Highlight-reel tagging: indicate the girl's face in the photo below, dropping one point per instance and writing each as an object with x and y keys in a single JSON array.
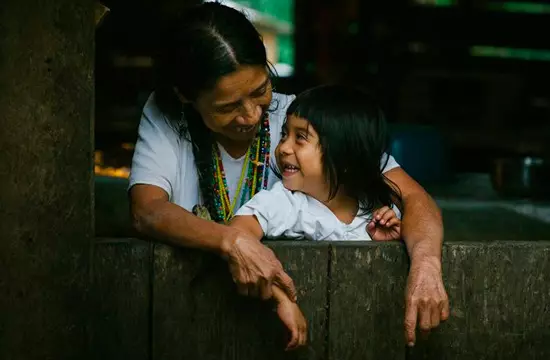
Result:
[
  {"x": 234, "y": 106},
  {"x": 300, "y": 159}
]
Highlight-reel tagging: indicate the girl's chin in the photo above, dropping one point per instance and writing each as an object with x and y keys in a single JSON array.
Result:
[{"x": 288, "y": 184}]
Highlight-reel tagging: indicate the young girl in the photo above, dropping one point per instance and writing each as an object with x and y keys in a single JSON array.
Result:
[{"x": 332, "y": 187}]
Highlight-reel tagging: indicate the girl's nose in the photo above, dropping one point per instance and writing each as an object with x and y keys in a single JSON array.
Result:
[{"x": 284, "y": 147}]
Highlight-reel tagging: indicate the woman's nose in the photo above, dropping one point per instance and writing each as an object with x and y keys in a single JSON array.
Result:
[{"x": 250, "y": 114}]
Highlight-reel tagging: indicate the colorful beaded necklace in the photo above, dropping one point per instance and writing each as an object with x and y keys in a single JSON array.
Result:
[{"x": 256, "y": 168}]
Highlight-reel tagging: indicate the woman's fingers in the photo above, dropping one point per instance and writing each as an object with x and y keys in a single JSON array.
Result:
[
  {"x": 411, "y": 317},
  {"x": 435, "y": 317},
  {"x": 265, "y": 287},
  {"x": 283, "y": 281}
]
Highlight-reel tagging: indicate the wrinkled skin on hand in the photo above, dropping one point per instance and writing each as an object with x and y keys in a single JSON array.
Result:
[
  {"x": 255, "y": 268},
  {"x": 427, "y": 303}
]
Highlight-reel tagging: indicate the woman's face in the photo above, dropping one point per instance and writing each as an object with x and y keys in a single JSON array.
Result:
[
  {"x": 300, "y": 159},
  {"x": 234, "y": 106}
]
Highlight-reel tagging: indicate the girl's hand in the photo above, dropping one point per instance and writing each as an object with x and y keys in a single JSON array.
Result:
[
  {"x": 385, "y": 225},
  {"x": 291, "y": 315}
]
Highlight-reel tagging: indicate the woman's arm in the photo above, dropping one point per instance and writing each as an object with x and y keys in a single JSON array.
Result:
[
  {"x": 422, "y": 231},
  {"x": 254, "y": 266}
]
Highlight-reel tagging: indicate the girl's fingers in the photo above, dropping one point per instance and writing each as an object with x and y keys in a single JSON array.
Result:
[
  {"x": 380, "y": 212},
  {"x": 392, "y": 222},
  {"x": 388, "y": 215},
  {"x": 294, "y": 337}
]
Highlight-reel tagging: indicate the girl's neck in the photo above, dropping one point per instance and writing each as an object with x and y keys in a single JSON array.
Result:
[{"x": 343, "y": 207}]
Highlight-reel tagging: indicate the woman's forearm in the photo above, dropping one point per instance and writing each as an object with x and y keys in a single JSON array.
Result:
[
  {"x": 170, "y": 223},
  {"x": 422, "y": 226}
]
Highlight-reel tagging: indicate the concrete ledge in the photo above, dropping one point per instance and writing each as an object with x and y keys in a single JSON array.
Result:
[{"x": 351, "y": 293}]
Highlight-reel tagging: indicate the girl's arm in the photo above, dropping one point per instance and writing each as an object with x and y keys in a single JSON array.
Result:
[
  {"x": 290, "y": 314},
  {"x": 248, "y": 224},
  {"x": 253, "y": 265}
]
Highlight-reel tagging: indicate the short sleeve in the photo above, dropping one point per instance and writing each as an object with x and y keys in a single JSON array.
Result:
[
  {"x": 155, "y": 157},
  {"x": 276, "y": 210},
  {"x": 391, "y": 163}
]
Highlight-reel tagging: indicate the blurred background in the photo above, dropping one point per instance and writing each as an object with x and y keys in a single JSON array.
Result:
[{"x": 463, "y": 83}]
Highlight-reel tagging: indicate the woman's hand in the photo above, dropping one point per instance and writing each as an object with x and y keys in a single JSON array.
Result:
[
  {"x": 426, "y": 300},
  {"x": 385, "y": 225},
  {"x": 255, "y": 268}
]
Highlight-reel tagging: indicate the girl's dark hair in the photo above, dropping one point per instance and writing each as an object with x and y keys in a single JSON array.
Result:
[
  {"x": 194, "y": 51},
  {"x": 353, "y": 136}
]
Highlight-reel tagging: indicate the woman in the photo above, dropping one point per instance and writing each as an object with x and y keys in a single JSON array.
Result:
[{"x": 206, "y": 138}]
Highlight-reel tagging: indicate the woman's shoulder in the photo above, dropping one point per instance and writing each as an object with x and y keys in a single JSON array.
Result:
[
  {"x": 279, "y": 105},
  {"x": 153, "y": 118},
  {"x": 280, "y": 102}
]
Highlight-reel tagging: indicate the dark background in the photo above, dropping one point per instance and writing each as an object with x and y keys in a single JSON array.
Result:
[{"x": 418, "y": 58}]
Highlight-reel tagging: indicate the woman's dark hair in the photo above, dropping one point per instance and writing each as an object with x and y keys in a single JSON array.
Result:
[
  {"x": 353, "y": 136},
  {"x": 194, "y": 51}
]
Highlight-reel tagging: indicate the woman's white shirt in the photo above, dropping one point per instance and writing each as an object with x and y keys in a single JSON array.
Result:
[{"x": 163, "y": 158}]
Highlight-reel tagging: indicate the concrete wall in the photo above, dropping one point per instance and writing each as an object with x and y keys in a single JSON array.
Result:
[{"x": 163, "y": 303}]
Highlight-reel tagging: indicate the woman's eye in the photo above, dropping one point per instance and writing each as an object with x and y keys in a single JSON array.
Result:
[
  {"x": 260, "y": 92},
  {"x": 301, "y": 136},
  {"x": 226, "y": 109}
]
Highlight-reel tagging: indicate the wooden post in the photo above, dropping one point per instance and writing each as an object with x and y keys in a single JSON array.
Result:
[{"x": 46, "y": 144}]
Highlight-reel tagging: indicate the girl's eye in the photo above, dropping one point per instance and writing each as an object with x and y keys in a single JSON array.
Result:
[{"x": 283, "y": 134}]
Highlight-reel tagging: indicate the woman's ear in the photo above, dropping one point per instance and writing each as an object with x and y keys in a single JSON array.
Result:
[{"x": 180, "y": 96}]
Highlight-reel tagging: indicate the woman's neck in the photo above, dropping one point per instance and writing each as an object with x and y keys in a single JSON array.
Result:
[{"x": 235, "y": 149}]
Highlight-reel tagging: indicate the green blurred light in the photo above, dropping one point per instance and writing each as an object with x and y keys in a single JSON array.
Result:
[
  {"x": 510, "y": 53},
  {"x": 524, "y": 7},
  {"x": 441, "y": 3}
]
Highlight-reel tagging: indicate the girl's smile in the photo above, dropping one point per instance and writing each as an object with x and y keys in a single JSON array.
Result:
[{"x": 299, "y": 158}]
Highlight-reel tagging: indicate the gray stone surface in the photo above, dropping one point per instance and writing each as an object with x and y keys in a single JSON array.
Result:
[{"x": 46, "y": 218}]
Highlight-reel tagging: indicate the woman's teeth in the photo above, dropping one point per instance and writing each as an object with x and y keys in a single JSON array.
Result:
[{"x": 245, "y": 129}]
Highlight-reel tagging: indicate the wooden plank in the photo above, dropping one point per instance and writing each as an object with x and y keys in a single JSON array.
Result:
[
  {"x": 122, "y": 299},
  {"x": 367, "y": 284},
  {"x": 500, "y": 296},
  {"x": 46, "y": 142},
  {"x": 197, "y": 313}
]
